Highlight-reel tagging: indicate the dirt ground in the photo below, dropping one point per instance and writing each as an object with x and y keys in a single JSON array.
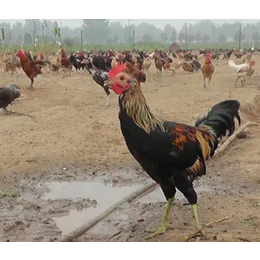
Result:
[{"x": 64, "y": 160}]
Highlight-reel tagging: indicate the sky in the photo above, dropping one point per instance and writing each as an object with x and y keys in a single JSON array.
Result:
[{"x": 177, "y": 23}]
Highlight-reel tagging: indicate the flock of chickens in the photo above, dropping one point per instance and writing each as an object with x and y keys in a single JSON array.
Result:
[
  {"x": 100, "y": 63},
  {"x": 173, "y": 154}
]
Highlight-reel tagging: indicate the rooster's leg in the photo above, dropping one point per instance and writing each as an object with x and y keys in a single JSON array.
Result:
[
  {"x": 5, "y": 111},
  {"x": 237, "y": 80},
  {"x": 243, "y": 81},
  {"x": 209, "y": 81},
  {"x": 165, "y": 219},
  {"x": 196, "y": 216},
  {"x": 108, "y": 98},
  {"x": 204, "y": 82},
  {"x": 31, "y": 86}
]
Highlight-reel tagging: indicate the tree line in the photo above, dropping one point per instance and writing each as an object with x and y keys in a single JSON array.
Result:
[{"x": 101, "y": 31}]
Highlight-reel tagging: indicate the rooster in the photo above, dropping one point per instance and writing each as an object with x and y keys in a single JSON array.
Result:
[
  {"x": 31, "y": 67},
  {"x": 207, "y": 69},
  {"x": 65, "y": 62},
  {"x": 243, "y": 70},
  {"x": 173, "y": 154},
  {"x": 8, "y": 95}
]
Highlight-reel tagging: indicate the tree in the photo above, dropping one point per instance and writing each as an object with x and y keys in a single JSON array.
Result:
[
  {"x": 170, "y": 32},
  {"x": 168, "y": 29},
  {"x": 115, "y": 30},
  {"x": 205, "y": 38},
  {"x": 115, "y": 39},
  {"x": 27, "y": 39},
  {"x": 222, "y": 38},
  {"x": 198, "y": 37},
  {"x": 173, "y": 36},
  {"x": 164, "y": 37},
  {"x": 68, "y": 42},
  {"x": 96, "y": 30},
  {"x": 181, "y": 37},
  {"x": 190, "y": 38},
  {"x": 256, "y": 36},
  {"x": 147, "y": 37}
]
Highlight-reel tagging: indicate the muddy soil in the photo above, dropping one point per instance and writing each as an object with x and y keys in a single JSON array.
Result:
[{"x": 64, "y": 161}]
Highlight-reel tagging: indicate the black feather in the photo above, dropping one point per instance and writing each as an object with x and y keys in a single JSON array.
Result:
[{"x": 221, "y": 117}]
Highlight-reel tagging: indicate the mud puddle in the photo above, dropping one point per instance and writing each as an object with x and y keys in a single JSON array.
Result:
[{"x": 99, "y": 197}]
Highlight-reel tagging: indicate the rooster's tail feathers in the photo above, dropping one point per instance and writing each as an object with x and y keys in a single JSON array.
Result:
[{"x": 221, "y": 117}]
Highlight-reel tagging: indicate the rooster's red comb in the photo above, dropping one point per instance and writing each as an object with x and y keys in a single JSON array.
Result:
[
  {"x": 112, "y": 73},
  {"x": 208, "y": 55},
  {"x": 20, "y": 53}
]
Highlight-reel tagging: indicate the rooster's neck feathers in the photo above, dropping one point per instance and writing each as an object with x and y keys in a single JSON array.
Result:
[{"x": 134, "y": 104}]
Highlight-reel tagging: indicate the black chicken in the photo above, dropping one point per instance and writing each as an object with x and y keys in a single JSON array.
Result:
[
  {"x": 8, "y": 95},
  {"x": 173, "y": 154},
  {"x": 102, "y": 65},
  {"x": 75, "y": 62},
  {"x": 100, "y": 77}
]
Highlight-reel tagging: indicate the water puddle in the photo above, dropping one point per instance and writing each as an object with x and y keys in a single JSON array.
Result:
[{"x": 105, "y": 196}]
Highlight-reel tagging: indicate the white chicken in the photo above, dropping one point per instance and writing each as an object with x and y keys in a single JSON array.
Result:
[{"x": 242, "y": 70}]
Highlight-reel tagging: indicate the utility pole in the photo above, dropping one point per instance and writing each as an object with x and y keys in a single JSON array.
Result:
[
  {"x": 186, "y": 36},
  {"x": 239, "y": 37},
  {"x": 81, "y": 39}
]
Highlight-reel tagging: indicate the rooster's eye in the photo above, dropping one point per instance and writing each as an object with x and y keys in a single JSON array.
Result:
[{"x": 122, "y": 77}]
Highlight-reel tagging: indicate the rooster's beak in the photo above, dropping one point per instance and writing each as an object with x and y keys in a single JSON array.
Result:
[{"x": 109, "y": 83}]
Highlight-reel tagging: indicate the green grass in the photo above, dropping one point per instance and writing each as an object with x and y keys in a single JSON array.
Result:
[{"x": 50, "y": 48}]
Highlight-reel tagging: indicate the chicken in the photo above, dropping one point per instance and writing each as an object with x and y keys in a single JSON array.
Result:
[
  {"x": 114, "y": 62},
  {"x": 167, "y": 62},
  {"x": 8, "y": 95},
  {"x": 56, "y": 67},
  {"x": 12, "y": 66},
  {"x": 172, "y": 154},
  {"x": 242, "y": 70},
  {"x": 227, "y": 54},
  {"x": 65, "y": 62},
  {"x": 207, "y": 69},
  {"x": 188, "y": 66},
  {"x": 31, "y": 67},
  {"x": 147, "y": 64},
  {"x": 238, "y": 54},
  {"x": 86, "y": 63},
  {"x": 100, "y": 77},
  {"x": 174, "y": 66},
  {"x": 158, "y": 62},
  {"x": 251, "y": 71}
]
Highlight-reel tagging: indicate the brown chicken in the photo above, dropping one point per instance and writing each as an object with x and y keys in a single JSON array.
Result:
[
  {"x": 158, "y": 63},
  {"x": 12, "y": 66},
  {"x": 31, "y": 67},
  {"x": 56, "y": 67},
  {"x": 207, "y": 69},
  {"x": 65, "y": 62},
  {"x": 188, "y": 66}
]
